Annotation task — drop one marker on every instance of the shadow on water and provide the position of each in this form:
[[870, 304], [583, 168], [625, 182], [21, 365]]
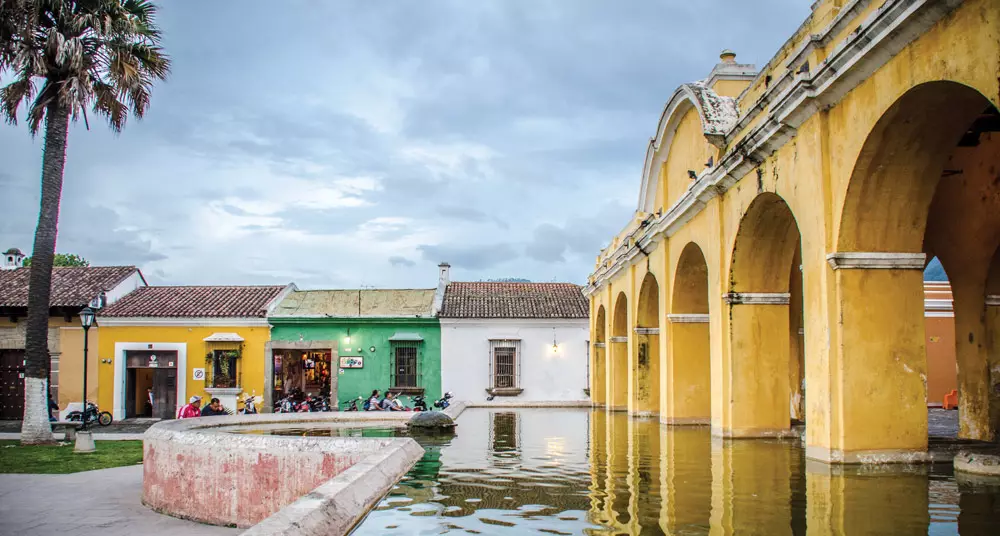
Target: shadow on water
[[570, 471]]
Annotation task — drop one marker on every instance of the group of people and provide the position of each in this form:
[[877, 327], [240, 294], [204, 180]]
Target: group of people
[[193, 409], [389, 403]]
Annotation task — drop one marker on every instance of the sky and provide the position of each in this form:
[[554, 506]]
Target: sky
[[358, 143]]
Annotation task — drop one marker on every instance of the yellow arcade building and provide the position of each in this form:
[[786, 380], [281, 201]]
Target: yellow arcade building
[[161, 345], [773, 269]]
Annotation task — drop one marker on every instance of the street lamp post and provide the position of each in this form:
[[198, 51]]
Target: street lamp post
[[84, 441]]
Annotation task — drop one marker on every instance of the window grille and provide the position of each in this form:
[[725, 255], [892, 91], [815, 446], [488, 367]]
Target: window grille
[[505, 364], [504, 435], [405, 364]]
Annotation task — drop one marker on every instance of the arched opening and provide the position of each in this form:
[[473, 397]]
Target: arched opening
[[646, 361], [939, 332], [758, 372], [619, 355], [924, 181], [689, 365], [599, 389]]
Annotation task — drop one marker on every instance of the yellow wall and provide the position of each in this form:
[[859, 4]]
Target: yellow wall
[[859, 174], [252, 360], [71, 365]]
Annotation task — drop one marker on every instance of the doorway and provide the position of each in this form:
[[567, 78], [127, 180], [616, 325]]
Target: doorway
[[300, 372], [151, 384], [11, 384]]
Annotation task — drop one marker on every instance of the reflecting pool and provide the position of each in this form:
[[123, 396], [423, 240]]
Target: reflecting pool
[[577, 471]]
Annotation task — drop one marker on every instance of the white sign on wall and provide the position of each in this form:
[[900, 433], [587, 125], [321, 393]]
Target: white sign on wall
[[198, 375]]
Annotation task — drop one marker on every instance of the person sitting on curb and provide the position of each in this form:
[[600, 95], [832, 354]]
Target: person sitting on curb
[[389, 402], [192, 409], [213, 408], [373, 404]]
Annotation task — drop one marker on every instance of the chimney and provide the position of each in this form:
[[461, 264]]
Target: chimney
[[444, 277], [12, 259], [727, 56]]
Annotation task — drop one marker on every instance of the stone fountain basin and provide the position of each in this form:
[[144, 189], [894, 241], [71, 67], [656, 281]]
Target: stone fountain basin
[[198, 469]]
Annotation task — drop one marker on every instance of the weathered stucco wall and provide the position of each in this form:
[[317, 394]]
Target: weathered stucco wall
[[240, 480]]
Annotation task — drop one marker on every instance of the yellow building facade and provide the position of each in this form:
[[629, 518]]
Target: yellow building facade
[[773, 269], [159, 346]]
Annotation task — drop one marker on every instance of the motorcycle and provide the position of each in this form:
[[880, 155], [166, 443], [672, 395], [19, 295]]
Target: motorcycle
[[352, 405], [93, 414], [285, 405], [444, 401], [249, 406], [419, 403], [319, 403]]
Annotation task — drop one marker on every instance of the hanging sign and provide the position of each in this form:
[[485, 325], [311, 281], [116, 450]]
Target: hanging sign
[[198, 375], [352, 362]]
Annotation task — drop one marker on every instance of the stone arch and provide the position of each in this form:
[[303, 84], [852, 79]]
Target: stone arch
[[923, 181], [646, 358], [618, 386], [599, 389], [689, 364], [757, 370]]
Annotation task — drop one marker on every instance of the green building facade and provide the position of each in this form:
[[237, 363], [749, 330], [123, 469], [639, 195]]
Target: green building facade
[[369, 339]]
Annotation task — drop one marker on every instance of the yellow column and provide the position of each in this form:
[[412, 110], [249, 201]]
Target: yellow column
[[880, 363], [598, 381], [758, 366], [619, 373], [690, 370]]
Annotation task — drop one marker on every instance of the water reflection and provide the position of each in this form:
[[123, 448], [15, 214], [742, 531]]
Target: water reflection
[[597, 473]]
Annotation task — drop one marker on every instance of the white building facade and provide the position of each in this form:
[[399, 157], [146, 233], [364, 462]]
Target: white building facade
[[514, 342]]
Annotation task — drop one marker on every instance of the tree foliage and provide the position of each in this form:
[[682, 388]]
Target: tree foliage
[[64, 259]]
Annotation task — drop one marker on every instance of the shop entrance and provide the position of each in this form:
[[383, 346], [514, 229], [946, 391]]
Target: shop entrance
[[303, 372], [151, 384]]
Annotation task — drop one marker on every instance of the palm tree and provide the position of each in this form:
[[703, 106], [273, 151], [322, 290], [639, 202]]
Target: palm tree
[[97, 54]]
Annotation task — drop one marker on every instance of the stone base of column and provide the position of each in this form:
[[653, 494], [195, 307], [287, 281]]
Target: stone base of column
[[643, 413], [84, 442], [837, 456], [686, 421], [754, 433]]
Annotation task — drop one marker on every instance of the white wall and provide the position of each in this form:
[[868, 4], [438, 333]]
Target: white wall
[[545, 375]]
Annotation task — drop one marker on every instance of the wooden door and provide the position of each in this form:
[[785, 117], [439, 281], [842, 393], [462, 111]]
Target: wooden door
[[165, 393], [11, 384]]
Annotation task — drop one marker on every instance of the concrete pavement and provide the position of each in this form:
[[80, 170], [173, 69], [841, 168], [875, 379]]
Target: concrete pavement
[[97, 436], [92, 503]]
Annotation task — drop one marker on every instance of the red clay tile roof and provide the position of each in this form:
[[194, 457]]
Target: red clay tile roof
[[194, 302], [72, 286], [514, 300]]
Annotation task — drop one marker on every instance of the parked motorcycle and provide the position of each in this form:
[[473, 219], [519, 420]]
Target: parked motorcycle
[[444, 401], [93, 414], [419, 403], [249, 406], [352, 405], [319, 403]]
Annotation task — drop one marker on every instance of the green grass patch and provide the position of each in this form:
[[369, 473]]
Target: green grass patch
[[60, 459]]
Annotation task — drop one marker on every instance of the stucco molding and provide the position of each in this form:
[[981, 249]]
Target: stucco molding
[[757, 298], [862, 260], [181, 321], [120, 364], [647, 331], [618, 339], [993, 300], [796, 97], [600, 345], [688, 318]]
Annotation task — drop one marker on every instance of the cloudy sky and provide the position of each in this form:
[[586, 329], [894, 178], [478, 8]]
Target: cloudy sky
[[357, 143]]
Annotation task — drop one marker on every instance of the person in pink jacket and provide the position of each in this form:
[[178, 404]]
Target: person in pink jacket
[[193, 409]]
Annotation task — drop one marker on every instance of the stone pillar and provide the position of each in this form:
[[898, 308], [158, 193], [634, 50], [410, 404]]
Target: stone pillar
[[689, 369], [598, 375], [758, 364], [878, 403], [647, 372]]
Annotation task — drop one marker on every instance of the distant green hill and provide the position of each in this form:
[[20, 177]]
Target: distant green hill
[[934, 271]]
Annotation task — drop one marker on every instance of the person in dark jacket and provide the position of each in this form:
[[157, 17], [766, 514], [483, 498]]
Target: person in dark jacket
[[213, 408]]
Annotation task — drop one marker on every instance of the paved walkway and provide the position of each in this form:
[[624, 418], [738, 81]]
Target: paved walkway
[[97, 436], [92, 503]]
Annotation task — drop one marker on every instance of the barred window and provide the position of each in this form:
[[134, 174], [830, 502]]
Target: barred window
[[505, 364], [405, 362]]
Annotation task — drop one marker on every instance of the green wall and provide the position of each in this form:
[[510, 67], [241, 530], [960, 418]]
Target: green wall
[[365, 333]]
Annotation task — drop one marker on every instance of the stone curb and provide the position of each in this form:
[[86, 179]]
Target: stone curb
[[978, 463]]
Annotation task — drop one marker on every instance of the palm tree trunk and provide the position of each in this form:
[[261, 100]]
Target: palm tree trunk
[[35, 427]]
